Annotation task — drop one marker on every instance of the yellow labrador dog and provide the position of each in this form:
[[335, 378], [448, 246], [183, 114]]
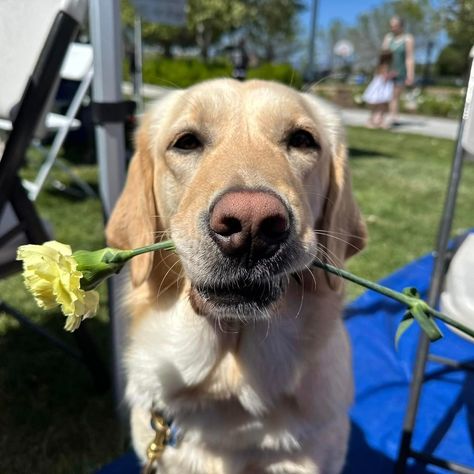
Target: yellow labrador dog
[[235, 337]]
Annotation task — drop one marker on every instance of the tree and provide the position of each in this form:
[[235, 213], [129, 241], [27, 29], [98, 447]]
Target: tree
[[451, 61], [271, 25], [459, 23], [208, 20], [166, 36]]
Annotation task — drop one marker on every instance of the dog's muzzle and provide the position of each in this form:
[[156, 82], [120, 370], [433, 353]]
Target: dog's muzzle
[[251, 230]]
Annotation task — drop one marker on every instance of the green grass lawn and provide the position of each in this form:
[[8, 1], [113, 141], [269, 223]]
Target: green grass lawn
[[400, 181], [52, 420]]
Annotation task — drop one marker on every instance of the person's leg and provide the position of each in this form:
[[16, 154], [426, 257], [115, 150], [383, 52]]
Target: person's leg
[[372, 117], [384, 109], [394, 104], [379, 114]]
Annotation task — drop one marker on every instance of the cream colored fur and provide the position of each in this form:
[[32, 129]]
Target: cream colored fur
[[256, 393]]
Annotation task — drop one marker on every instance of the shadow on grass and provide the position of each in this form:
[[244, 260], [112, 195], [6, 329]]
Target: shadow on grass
[[358, 153], [51, 406]]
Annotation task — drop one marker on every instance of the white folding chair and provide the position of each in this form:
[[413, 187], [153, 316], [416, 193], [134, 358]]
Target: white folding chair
[[34, 38], [77, 66]]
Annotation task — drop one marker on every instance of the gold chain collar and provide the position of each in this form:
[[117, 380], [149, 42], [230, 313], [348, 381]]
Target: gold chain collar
[[157, 446]]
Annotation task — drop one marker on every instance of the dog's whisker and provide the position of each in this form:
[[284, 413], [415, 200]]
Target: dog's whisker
[[267, 332], [312, 275], [163, 261], [333, 232], [301, 302], [164, 278], [332, 258], [335, 237]]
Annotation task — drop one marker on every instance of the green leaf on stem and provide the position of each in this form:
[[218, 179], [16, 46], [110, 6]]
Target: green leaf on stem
[[405, 323], [411, 291], [426, 321]]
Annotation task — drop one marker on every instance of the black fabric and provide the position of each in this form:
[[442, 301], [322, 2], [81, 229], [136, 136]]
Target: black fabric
[[110, 112]]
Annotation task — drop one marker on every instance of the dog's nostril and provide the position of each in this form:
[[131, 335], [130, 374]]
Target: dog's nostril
[[228, 226], [274, 228], [249, 223]]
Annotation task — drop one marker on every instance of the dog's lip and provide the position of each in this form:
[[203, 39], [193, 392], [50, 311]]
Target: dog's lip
[[259, 293]]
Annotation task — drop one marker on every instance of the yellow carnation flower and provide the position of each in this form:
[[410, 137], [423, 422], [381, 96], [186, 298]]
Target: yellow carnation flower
[[51, 275], [57, 277]]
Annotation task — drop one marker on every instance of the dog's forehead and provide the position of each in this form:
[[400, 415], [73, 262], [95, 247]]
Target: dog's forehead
[[233, 99]]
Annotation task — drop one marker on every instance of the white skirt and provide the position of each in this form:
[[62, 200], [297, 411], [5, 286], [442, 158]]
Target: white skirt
[[379, 91]]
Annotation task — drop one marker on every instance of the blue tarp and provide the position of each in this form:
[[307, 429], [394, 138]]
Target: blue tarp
[[445, 422]]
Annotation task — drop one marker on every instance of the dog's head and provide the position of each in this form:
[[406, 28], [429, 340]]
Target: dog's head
[[250, 180]]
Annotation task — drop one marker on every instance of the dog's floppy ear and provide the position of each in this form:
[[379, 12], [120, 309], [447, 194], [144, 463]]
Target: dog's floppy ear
[[344, 230], [134, 221], [341, 230]]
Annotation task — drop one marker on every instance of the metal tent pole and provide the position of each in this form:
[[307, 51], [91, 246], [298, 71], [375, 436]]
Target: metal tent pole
[[405, 450], [110, 142], [138, 73], [107, 90], [311, 42]]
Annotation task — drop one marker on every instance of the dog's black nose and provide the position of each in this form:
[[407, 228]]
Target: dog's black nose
[[249, 223]]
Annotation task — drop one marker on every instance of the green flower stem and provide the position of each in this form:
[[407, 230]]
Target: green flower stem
[[99, 265], [165, 245], [123, 256], [451, 322], [409, 301]]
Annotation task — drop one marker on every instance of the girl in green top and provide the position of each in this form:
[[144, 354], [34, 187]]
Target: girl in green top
[[401, 45]]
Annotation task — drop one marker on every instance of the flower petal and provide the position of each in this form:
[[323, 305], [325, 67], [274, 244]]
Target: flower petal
[[62, 249], [72, 322], [91, 302]]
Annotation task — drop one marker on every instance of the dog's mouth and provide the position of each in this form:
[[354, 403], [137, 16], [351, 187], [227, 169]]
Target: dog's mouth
[[237, 298]]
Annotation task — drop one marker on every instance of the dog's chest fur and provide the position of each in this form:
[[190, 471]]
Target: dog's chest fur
[[270, 386]]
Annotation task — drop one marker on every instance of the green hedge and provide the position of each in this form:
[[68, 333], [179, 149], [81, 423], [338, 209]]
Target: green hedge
[[277, 72], [450, 106], [184, 72]]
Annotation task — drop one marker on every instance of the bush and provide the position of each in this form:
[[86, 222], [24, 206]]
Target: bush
[[277, 72], [451, 62], [449, 106], [184, 72]]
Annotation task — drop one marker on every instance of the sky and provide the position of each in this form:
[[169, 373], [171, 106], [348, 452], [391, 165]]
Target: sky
[[345, 10]]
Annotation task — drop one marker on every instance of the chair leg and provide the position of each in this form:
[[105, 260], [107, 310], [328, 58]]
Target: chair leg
[[26, 213], [52, 155]]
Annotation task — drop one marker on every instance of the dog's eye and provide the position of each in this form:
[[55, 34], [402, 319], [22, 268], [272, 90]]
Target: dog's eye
[[302, 139], [187, 142]]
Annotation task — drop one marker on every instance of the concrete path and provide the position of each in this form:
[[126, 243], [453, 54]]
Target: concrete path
[[418, 124]]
